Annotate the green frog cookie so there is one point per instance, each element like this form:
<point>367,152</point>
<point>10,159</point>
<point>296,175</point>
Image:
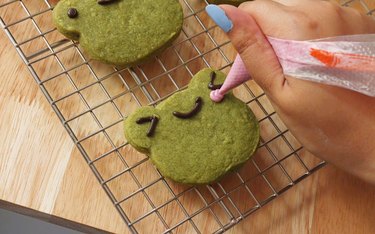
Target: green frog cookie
<point>120,32</point>
<point>192,139</point>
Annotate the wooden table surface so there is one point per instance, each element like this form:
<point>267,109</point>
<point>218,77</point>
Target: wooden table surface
<point>42,174</point>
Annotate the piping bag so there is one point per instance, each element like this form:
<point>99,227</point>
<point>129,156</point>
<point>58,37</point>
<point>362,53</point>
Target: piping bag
<point>343,61</point>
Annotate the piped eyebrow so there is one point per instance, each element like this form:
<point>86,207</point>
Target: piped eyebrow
<point>193,112</point>
<point>154,122</point>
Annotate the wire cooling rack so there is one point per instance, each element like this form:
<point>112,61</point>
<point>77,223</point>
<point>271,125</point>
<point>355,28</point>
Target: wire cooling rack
<point>92,99</point>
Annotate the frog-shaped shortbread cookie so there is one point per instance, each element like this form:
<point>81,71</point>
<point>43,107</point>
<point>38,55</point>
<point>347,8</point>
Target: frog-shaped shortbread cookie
<point>192,139</point>
<point>120,32</point>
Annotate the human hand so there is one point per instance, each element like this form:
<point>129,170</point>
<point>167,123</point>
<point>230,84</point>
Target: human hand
<point>334,124</point>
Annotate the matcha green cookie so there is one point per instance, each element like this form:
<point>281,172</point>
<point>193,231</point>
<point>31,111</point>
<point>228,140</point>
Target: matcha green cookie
<point>120,32</point>
<point>231,2</point>
<point>192,139</point>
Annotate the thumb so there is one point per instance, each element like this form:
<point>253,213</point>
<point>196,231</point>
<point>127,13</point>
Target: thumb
<point>259,58</point>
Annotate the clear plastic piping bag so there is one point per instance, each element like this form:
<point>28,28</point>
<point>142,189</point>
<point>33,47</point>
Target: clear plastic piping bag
<point>344,61</point>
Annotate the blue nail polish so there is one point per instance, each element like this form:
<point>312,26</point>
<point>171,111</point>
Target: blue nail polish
<point>218,15</point>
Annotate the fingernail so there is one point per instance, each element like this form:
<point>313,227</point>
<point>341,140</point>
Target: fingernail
<point>218,15</point>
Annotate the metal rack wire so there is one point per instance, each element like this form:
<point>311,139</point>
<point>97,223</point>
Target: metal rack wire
<point>92,99</point>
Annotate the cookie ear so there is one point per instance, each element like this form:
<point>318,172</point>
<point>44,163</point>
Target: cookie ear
<point>66,15</point>
<point>205,77</point>
<point>140,127</point>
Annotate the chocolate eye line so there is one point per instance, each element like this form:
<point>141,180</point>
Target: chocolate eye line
<point>193,112</point>
<point>105,2</point>
<point>211,85</point>
<point>154,122</point>
<point>144,120</point>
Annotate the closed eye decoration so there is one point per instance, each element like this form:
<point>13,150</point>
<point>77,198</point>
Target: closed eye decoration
<point>105,2</point>
<point>193,112</point>
<point>211,85</point>
<point>154,122</point>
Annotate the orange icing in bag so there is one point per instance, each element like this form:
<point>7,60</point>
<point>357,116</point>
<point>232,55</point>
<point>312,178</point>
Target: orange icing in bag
<point>344,61</point>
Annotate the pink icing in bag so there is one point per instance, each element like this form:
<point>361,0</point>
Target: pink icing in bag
<point>344,61</point>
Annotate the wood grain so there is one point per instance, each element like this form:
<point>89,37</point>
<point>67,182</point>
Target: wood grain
<point>44,175</point>
<point>31,169</point>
